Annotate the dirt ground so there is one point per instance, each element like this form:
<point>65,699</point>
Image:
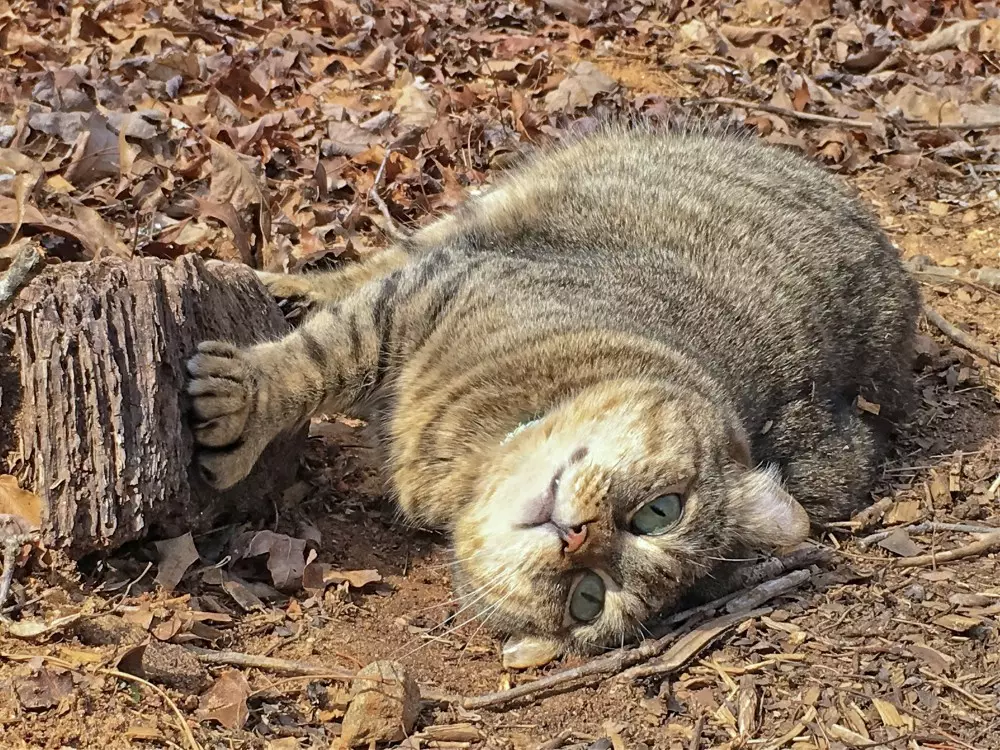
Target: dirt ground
<point>866,653</point>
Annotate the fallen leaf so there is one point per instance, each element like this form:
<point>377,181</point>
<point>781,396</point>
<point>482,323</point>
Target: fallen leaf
<point>958,35</point>
<point>44,689</point>
<point>175,557</point>
<point>101,235</point>
<point>957,623</point>
<point>899,543</point>
<point>226,701</point>
<point>583,84</point>
<point>318,576</point>
<point>286,556</point>
<point>414,107</point>
<point>38,629</point>
<point>235,183</point>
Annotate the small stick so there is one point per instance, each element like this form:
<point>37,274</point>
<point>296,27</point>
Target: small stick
<point>961,338</point>
<point>699,727</point>
<point>285,666</point>
<point>20,271</point>
<point>185,729</point>
<point>846,121</point>
<point>775,110</point>
<point>923,528</point>
<point>872,514</point>
<point>690,645</point>
<point>987,544</point>
<point>768,590</point>
<point>391,228</point>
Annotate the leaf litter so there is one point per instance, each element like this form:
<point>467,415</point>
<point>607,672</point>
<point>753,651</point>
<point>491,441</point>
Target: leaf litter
<point>253,132</point>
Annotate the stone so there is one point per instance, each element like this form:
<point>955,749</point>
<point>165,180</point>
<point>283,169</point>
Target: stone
<point>385,702</point>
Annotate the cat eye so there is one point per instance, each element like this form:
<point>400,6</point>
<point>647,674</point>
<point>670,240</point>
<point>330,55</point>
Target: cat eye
<point>657,516</point>
<point>586,601</point>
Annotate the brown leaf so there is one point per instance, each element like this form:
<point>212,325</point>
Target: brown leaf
<point>347,139</point>
<point>175,557</point>
<point>317,576</point>
<point>286,557</point>
<point>414,107</point>
<point>43,690</point>
<point>573,11</point>
<point>583,84</point>
<point>226,701</point>
<point>226,213</point>
<point>899,543</point>
<point>101,236</point>
<point>235,183</point>
<point>958,35</point>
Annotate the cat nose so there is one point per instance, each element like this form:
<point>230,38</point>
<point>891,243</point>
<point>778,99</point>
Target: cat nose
<point>573,537</point>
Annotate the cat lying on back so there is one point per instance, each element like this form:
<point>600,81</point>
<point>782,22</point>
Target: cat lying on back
<point>635,357</point>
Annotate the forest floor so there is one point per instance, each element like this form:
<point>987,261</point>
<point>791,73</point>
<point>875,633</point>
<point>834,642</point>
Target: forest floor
<point>120,122</point>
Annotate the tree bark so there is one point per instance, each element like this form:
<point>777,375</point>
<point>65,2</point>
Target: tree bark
<point>93,416</point>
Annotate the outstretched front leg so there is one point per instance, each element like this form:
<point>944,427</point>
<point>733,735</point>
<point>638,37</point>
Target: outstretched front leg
<point>334,286</point>
<point>242,398</point>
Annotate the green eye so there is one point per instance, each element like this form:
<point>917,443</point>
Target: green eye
<point>657,515</point>
<point>586,602</point>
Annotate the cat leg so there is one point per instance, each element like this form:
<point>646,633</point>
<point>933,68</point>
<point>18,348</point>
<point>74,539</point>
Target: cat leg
<point>242,398</point>
<point>828,454</point>
<point>333,286</point>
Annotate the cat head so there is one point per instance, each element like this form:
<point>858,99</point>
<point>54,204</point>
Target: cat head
<point>607,510</point>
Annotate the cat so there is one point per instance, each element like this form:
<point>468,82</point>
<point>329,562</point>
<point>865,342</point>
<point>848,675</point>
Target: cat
<point>637,356</point>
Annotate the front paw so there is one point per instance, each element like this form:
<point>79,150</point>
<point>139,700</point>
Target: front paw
<point>224,390</point>
<point>284,286</point>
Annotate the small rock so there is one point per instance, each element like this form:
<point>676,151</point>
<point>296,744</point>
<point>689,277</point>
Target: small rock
<point>916,592</point>
<point>385,702</point>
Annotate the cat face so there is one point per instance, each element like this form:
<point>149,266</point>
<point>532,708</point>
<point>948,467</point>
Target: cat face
<point>605,511</point>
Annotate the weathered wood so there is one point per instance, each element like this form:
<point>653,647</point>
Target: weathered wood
<point>92,411</point>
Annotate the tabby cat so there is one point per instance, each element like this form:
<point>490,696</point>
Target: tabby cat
<point>636,357</point>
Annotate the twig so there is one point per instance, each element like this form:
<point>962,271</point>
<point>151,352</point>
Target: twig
<point>690,645</point>
<point>755,575</point>
<point>285,666</point>
<point>185,729</point>
<point>699,727</point>
<point>775,110</point>
<point>612,663</point>
<point>923,528</point>
<point>872,514</point>
<point>20,271</point>
<point>974,700</point>
<point>987,544</point>
<point>768,590</point>
<point>961,338</point>
<point>915,127</point>
<point>391,228</point>
<point>11,547</point>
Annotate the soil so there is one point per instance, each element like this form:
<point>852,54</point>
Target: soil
<point>886,656</point>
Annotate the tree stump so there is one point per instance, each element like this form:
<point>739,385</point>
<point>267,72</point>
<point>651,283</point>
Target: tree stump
<point>93,416</point>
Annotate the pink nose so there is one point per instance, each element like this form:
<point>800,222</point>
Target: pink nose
<point>573,538</point>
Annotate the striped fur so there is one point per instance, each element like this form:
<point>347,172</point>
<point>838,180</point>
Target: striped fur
<point>685,311</point>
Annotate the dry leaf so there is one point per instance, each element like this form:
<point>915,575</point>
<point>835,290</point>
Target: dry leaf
<point>286,557</point>
<point>899,543</point>
<point>101,236</point>
<point>175,557</point>
<point>226,701</point>
<point>44,689</point>
<point>583,84</point>
<point>235,183</point>
<point>318,576</point>
<point>414,107</point>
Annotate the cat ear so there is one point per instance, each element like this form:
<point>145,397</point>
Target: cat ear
<point>530,651</point>
<point>770,517</point>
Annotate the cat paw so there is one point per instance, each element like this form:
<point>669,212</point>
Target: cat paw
<point>283,286</point>
<point>224,389</point>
